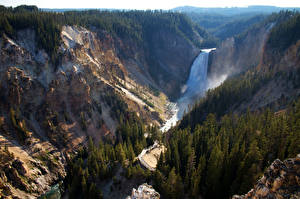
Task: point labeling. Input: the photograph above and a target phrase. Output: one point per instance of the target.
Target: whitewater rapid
(195, 87)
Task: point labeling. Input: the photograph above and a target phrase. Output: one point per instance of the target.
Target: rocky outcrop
(281, 180)
(144, 191)
(150, 156)
(28, 171)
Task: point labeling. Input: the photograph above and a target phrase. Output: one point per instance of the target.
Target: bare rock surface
(144, 191)
(281, 180)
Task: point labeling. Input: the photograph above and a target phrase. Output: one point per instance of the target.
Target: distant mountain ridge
(257, 9)
(229, 21)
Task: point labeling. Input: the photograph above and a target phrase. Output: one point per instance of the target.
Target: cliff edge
(281, 180)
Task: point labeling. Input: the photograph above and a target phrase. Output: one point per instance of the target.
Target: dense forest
(218, 158)
(215, 151)
(223, 157)
(97, 162)
(285, 34)
(135, 25)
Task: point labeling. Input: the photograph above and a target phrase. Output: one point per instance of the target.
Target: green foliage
(5, 27)
(137, 93)
(219, 158)
(46, 26)
(26, 8)
(286, 33)
(95, 163)
(155, 91)
(83, 122)
(19, 125)
(132, 133)
(118, 108)
(148, 103)
(87, 168)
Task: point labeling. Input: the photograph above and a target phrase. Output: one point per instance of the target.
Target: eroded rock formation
(144, 191)
(281, 180)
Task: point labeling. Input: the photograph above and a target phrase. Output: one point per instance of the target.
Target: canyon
(136, 75)
(48, 111)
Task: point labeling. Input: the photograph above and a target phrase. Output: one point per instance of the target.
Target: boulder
(144, 191)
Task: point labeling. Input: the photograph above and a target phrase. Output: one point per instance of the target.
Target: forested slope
(87, 89)
(231, 136)
(222, 157)
(65, 77)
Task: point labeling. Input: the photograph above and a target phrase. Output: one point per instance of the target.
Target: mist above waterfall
(216, 81)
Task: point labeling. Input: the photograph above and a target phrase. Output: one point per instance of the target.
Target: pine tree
(214, 171)
(174, 186)
(130, 151)
(190, 169)
(6, 27)
(121, 156)
(94, 193)
(197, 177)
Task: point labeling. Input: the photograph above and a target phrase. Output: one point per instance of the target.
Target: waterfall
(196, 84)
(195, 87)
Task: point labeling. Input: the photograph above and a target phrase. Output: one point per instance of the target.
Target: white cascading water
(196, 87)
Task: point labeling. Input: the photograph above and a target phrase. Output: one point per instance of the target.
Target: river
(195, 87)
(53, 193)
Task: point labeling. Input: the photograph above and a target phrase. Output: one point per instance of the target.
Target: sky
(147, 4)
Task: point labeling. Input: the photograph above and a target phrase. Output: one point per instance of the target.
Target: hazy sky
(147, 4)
